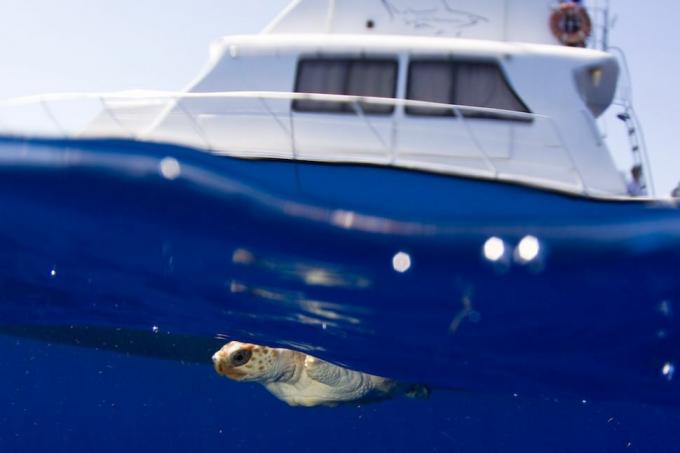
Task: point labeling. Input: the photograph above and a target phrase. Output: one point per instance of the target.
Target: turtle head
(246, 362)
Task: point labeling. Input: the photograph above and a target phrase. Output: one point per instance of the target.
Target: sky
(102, 45)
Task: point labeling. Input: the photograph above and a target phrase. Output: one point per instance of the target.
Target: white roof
(268, 43)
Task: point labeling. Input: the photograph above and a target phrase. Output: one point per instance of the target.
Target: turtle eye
(240, 357)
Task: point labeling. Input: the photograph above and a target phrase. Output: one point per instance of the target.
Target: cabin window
(431, 81)
(353, 77)
(474, 84)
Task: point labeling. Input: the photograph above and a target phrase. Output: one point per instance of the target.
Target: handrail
(46, 108)
(114, 117)
(624, 98)
(175, 103)
(282, 95)
(480, 148)
(359, 110)
(582, 186)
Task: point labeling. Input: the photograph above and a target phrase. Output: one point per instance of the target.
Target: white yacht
(500, 89)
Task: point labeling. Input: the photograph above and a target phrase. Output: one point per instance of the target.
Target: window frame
(347, 108)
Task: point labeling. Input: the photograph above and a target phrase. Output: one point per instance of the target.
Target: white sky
(98, 45)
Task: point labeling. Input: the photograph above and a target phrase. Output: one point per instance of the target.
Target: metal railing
(180, 117)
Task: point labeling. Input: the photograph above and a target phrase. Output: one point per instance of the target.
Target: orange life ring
(571, 24)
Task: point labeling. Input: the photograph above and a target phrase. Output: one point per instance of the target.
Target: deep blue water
(117, 284)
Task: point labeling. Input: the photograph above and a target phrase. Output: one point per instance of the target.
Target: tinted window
(431, 81)
(475, 84)
(375, 78)
(321, 76)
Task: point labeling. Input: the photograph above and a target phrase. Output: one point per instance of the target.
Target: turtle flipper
(327, 373)
(421, 392)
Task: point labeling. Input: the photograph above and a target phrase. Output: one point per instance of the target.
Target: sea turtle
(302, 380)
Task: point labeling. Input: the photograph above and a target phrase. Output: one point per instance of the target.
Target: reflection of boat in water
(375, 197)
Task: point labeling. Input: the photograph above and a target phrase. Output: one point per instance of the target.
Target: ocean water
(124, 266)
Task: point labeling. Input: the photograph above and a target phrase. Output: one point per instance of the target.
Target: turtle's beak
(224, 367)
(218, 361)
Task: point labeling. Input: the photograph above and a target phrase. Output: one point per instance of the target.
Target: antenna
(602, 24)
(605, 27)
